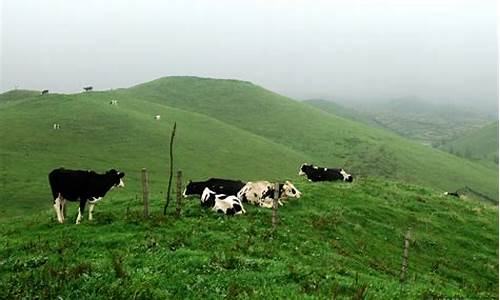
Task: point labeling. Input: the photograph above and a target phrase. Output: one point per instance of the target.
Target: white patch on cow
(95, 200)
(344, 174)
(57, 208)
(121, 184)
(325, 169)
(91, 208)
(79, 218)
(157, 117)
(315, 167)
(228, 203)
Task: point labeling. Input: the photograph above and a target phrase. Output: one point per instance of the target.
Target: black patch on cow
(230, 211)
(237, 207)
(220, 211)
(227, 187)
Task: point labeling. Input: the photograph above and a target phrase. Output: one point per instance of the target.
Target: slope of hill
(326, 138)
(481, 144)
(337, 241)
(413, 118)
(99, 136)
(344, 112)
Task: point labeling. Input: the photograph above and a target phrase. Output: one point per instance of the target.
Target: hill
(328, 139)
(338, 240)
(226, 128)
(480, 144)
(344, 112)
(99, 136)
(425, 122)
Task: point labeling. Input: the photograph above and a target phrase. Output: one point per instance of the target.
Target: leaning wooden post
(145, 192)
(179, 193)
(275, 204)
(171, 169)
(404, 265)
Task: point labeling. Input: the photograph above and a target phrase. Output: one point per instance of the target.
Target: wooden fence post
(171, 169)
(145, 192)
(179, 193)
(404, 265)
(275, 204)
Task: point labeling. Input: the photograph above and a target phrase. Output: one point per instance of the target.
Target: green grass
(338, 240)
(342, 240)
(480, 145)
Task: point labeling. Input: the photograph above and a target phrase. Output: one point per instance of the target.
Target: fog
(442, 51)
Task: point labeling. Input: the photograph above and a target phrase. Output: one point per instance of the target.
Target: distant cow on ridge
(315, 173)
(45, 92)
(88, 88)
(82, 186)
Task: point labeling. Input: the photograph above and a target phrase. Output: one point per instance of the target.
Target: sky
(440, 51)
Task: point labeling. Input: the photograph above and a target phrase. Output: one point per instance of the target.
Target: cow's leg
(91, 208)
(80, 211)
(57, 208)
(63, 209)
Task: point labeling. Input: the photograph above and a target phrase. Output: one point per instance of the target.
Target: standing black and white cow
(220, 186)
(262, 193)
(82, 186)
(44, 92)
(315, 173)
(229, 205)
(87, 88)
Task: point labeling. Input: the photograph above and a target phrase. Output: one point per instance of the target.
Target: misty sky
(368, 49)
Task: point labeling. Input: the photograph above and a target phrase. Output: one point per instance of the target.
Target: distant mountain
(480, 144)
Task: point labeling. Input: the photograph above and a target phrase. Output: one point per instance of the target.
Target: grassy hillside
(338, 240)
(344, 112)
(413, 118)
(326, 138)
(226, 128)
(99, 136)
(481, 144)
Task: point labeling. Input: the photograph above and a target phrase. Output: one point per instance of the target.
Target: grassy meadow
(338, 241)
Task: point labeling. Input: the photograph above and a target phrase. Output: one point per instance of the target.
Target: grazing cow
(45, 92)
(56, 126)
(88, 88)
(113, 102)
(220, 186)
(157, 117)
(315, 173)
(228, 205)
(82, 186)
(453, 194)
(262, 193)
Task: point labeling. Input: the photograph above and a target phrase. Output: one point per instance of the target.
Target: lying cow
(229, 205)
(262, 193)
(219, 186)
(82, 186)
(452, 194)
(315, 173)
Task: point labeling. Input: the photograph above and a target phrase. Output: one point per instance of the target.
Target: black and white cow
(88, 88)
(262, 193)
(82, 186)
(220, 186)
(452, 194)
(229, 205)
(44, 92)
(315, 173)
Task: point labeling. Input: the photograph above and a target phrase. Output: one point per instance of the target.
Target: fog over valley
(438, 51)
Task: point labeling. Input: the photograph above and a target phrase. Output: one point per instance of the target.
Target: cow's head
(192, 188)
(289, 190)
(116, 177)
(304, 168)
(347, 177)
